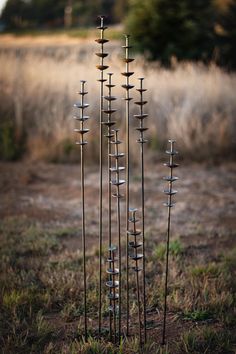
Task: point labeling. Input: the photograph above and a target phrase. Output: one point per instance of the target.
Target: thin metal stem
(127, 86)
(143, 215)
(127, 193)
(81, 118)
(101, 67)
(100, 200)
(166, 270)
(118, 231)
(169, 204)
(114, 298)
(142, 141)
(83, 221)
(137, 280)
(109, 111)
(109, 198)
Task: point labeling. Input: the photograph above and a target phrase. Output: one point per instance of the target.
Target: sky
(2, 3)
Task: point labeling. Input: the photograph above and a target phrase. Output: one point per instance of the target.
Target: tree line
(203, 30)
(52, 13)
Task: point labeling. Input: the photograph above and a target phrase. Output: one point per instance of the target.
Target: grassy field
(38, 84)
(40, 214)
(41, 257)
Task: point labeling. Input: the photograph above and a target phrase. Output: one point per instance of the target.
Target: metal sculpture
(118, 182)
(109, 123)
(127, 86)
(135, 257)
(135, 239)
(169, 204)
(82, 131)
(141, 116)
(101, 67)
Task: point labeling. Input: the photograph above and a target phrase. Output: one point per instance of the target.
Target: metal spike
(142, 141)
(112, 285)
(127, 86)
(109, 135)
(82, 131)
(117, 182)
(170, 192)
(101, 67)
(135, 257)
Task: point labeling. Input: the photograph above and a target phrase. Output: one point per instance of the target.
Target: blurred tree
(119, 10)
(226, 36)
(46, 12)
(166, 28)
(56, 12)
(68, 15)
(26, 13)
(15, 13)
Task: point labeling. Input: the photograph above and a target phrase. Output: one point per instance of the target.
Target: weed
(197, 315)
(175, 248)
(12, 146)
(210, 270)
(205, 340)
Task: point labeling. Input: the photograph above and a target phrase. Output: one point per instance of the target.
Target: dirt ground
(50, 193)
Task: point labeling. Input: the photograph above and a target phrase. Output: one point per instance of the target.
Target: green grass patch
(210, 270)
(12, 145)
(206, 340)
(197, 315)
(176, 249)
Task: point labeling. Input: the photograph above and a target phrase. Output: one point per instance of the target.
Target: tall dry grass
(192, 103)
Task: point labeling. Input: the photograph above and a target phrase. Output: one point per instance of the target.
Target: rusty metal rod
(127, 87)
(113, 284)
(109, 111)
(141, 116)
(169, 192)
(136, 257)
(101, 67)
(82, 131)
(117, 183)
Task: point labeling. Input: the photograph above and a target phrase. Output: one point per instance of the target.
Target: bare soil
(50, 193)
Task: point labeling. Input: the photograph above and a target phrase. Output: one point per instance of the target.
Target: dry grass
(38, 85)
(41, 297)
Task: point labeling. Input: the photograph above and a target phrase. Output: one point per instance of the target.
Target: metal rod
(109, 111)
(136, 257)
(101, 67)
(118, 182)
(141, 116)
(127, 87)
(170, 192)
(82, 143)
(113, 284)
(114, 299)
